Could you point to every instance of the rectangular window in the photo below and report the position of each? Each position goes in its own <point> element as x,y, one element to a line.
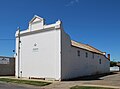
<point>78,53</point>
<point>93,55</point>
<point>99,61</point>
<point>86,55</point>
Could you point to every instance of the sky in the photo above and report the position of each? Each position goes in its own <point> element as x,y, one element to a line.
<point>93,22</point>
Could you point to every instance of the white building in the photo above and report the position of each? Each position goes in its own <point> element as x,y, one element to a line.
<point>46,51</point>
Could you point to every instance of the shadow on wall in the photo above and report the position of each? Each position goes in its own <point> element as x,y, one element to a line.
<point>93,77</point>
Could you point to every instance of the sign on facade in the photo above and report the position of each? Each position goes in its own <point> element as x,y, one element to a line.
<point>35,48</point>
<point>4,60</point>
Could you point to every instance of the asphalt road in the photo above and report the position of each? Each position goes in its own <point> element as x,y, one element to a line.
<point>16,86</point>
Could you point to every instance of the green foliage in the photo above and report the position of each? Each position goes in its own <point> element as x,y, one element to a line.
<point>113,64</point>
<point>36,83</point>
<point>88,87</point>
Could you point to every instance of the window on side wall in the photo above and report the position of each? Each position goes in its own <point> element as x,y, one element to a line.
<point>78,52</point>
<point>93,55</point>
<point>86,55</point>
<point>100,61</point>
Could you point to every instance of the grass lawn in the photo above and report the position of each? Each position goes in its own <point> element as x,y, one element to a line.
<point>87,87</point>
<point>29,82</point>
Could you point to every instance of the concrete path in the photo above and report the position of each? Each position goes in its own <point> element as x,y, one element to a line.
<point>112,80</point>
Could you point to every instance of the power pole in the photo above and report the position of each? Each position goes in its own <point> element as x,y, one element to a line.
<point>18,52</point>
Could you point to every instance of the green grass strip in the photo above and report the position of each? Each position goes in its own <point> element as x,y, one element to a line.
<point>88,87</point>
<point>29,82</point>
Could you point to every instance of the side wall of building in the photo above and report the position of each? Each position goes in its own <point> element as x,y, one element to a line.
<point>40,54</point>
<point>76,65</point>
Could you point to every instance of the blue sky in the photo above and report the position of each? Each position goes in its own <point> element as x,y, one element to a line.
<point>93,22</point>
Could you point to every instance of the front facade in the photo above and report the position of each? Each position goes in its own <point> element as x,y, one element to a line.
<point>46,51</point>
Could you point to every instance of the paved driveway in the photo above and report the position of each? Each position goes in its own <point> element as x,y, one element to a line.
<point>112,80</point>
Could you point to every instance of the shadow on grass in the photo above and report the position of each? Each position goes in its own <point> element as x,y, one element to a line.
<point>92,77</point>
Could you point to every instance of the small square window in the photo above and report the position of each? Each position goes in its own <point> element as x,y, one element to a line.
<point>78,53</point>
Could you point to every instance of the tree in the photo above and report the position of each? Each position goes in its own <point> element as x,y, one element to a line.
<point>112,63</point>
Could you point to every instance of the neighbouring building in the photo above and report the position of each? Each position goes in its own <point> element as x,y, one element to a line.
<point>7,66</point>
<point>46,51</point>
<point>118,64</point>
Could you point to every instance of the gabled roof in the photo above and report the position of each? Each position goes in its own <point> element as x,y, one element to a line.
<point>86,47</point>
<point>35,16</point>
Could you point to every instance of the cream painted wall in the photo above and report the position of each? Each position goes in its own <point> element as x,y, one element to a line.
<point>40,54</point>
<point>75,66</point>
<point>47,53</point>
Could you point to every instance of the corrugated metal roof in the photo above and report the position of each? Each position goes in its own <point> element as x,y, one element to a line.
<point>86,47</point>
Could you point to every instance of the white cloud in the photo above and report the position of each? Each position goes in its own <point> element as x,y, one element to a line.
<point>72,2</point>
